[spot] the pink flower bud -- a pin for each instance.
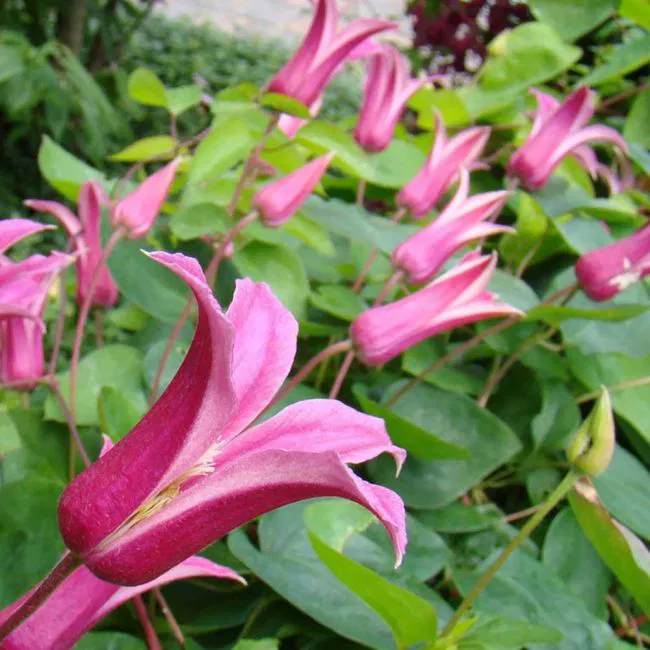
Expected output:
(279, 200)
(457, 298)
(606, 271)
(441, 169)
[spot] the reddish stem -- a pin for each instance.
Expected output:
(151, 638)
(343, 371)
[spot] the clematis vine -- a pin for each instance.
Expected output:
(82, 600)
(442, 167)
(85, 232)
(456, 298)
(321, 53)
(606, 271)
(194, 468)
(462, 221)
(23, 294)
(560, 130)
(388, 87)
(279, 200)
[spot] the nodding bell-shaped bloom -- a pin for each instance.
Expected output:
(456, 298)
(194, 469)
(558, 131)
(442, 167)
(85, 231)
(387, 88)
(139, 209)
(82, 600)
(23, 294)
(279, 200)
(422, 255)
(606, 271)
(321, 53)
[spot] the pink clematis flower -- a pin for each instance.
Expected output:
(193, 469)
(457, 298)
(321, 53)
(23, 294)
(279, 200)
(85, 230)
(139, 209)
(422, 255)
(608, 270)
(388, 87)
(559, 130)
(83, 600)
(442, 167)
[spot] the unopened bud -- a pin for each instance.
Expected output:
(593, 445)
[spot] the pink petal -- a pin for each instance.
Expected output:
(263, 350)
(83, 600)
(319, 425)
(13, 230)
(236, 493)
(178, 430)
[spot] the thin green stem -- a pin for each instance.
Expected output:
(553, 499)
(632, 383)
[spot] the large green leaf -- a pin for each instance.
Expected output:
(117, 414)
(506, 634)
(624, 59)
(119, 366)
(145, 87)
(459, 421)
(572, 18)
(448, 102)
(200, 219)
(559, 418)
(110, 641)
(156, 146)
(339, 301)
(635, 128)
(181, 98)
(623, 552)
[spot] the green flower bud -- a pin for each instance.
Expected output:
(592, 447)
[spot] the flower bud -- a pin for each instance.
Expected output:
(592, 447)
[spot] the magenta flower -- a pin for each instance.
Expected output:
(457, 298)
(608, 270)
(23, 294)
(279, 200)
(83, 600)
(85, 231)
(422, 255)
(138, 210)
(193, 469)
(558, 130)
(442, 167)
(388, 87)
(321, 53)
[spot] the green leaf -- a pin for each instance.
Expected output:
(459, 421)
(396, 165)
(310, 233)
(258, 644)
(154, 355)
(63, 171)
(569, 553)
(110, 641)
(200, 219)
(532, 225)
(119, 366)
(154, 147)
(145, 87)
(178, 100)
(229, 142)
(559, 418)
(513, 291)
(285, 104)
(411, 619)
(420, 442)
(635, 128)
(146, 283)
(339, 301)
(554, 314)
(624, 59)
(571, 19)
(458, 518)
(621, 550)
(9, 438)
(117, 414)
(448, 102)
(507, 634)
(637, 11)
(278, 266)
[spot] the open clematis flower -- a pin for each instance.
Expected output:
(422, 255)
(442, 167)
(388, 87)
(193, 469)
(83, 600)
(85, 231)
(139, 209)
(456, 298)
(23, 294)
(608, 270)
(558, 131)
(321, 53)
(279, 200)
